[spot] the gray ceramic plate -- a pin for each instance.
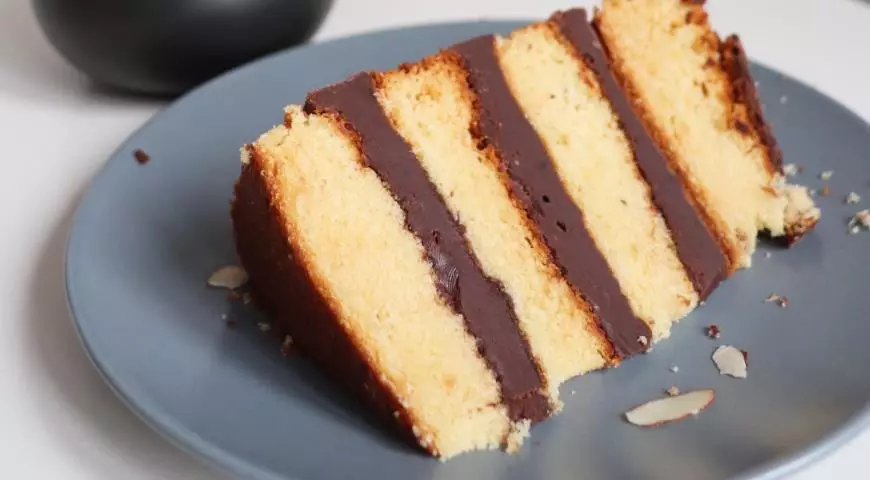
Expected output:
(145, 239)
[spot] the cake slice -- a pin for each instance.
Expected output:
(453, 239)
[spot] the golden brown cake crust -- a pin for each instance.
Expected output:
(746, 110)
(297, 307)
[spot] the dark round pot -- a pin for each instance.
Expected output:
(165, 47)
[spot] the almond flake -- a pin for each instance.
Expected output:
(670, 409)
(852, 198)
(826, 175)
(860, 221)
(230, 277)
(730, 361)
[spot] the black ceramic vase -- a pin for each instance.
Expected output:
(165, 47)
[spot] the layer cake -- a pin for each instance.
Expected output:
(453, 239)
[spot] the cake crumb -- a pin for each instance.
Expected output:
(672, 391)
(852, 198)
(141, 157)
(573, 392)
(674, 369)
(783, 99)
(233, 296)
(713, 331)
(519, 432)
(778, 299)
(826, 175)
(287, 349)
(643, 341)
(790, 170)
(246, 298)
(264, 327)
(824, 191)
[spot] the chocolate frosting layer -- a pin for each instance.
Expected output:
(488, 311)
(696, 246)
(536, 185)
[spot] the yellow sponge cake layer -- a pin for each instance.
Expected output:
(564, 103)
(431, 107)
(668, 56)
(349, 232)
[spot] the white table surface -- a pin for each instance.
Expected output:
(57, 418)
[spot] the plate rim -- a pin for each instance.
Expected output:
(226, 461)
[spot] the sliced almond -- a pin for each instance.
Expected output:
(862, 218)
(230, 276)
(730, 361)
(670, 409)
